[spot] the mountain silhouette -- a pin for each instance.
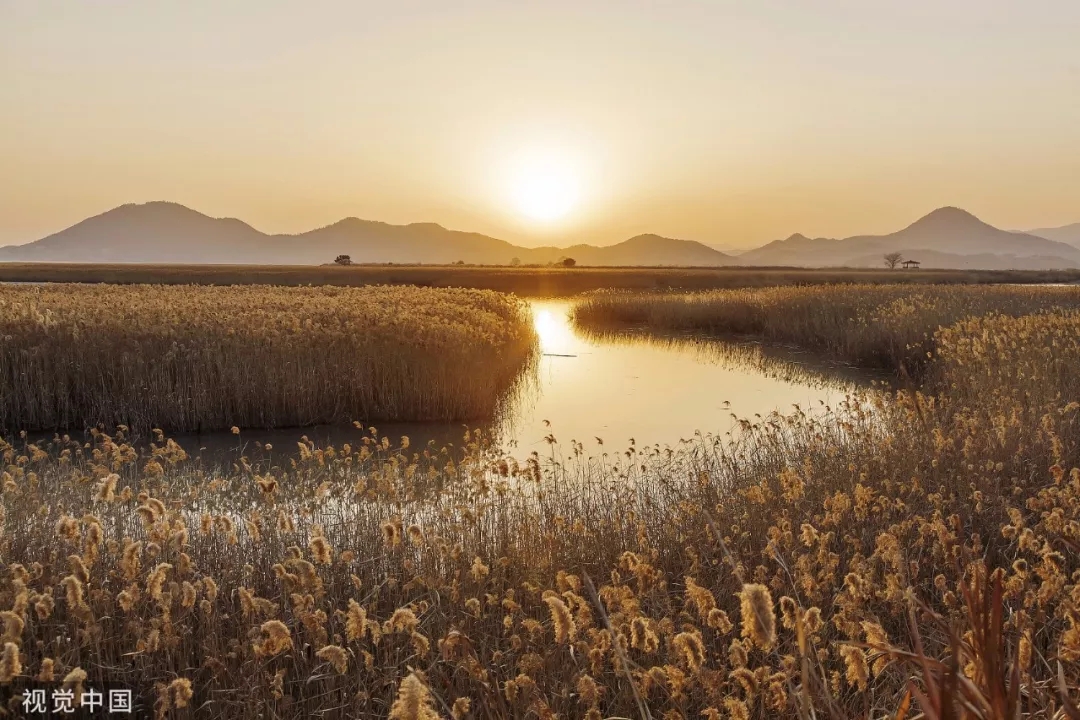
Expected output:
(947, 237)
(1067, 234)
(164, 232)
(159, 231)
(639, 250)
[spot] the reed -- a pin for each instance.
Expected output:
(197, 358)
(879, 326)
(530, 281)
(907, 552)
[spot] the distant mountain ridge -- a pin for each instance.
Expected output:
(1067, 234)
(164, 232)
(947, 237)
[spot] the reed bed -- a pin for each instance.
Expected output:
(887, 327)
(528, 281)
(905, 555)
(197, 358)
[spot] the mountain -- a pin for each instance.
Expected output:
(947, 237)
(638, 250)
(728, 248)
(159, 231)
(1067, 234)
(367, 241)
(163, 232)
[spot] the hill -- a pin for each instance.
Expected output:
(947, 237)
(650, 250)
(1067, 234)
(169, 233)
(159, 232)
(163, 232)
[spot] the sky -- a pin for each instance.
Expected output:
(732, 123)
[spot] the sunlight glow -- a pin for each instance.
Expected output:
(553, 331)
(545, 187)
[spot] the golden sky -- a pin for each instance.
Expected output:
(733, 123)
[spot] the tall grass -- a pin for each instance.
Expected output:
(192, 358)
(881, 326)
(533, 281)
(820, 566)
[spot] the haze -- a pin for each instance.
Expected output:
(732, 123)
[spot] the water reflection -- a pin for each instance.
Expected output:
(659, 390)
(774, 361)
(553, 327)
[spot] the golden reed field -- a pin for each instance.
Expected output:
(523, 281)
(887, 327)
(909, 554)
(198, 358)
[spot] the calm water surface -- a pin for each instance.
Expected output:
(659, 391)
(615, 388)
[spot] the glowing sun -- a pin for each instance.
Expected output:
(545, 187)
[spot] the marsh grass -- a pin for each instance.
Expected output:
(524, 281)
(888, 327)
(830, 565)
(199, 358)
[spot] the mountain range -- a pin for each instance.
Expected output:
(163, 232)
(947, 237)
(1067, 234)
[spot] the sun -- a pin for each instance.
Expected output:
(545, 187)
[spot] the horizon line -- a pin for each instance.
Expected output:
(729, 250)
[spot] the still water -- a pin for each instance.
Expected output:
(658, 391)
(615, 388)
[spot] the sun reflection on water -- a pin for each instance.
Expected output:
(657, 389)
(554, 331)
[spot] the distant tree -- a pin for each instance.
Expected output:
(460, 262)
(569, 262)
(514, 262)
(343, 260)
(892, 260)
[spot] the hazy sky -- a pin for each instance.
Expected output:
(726, 122)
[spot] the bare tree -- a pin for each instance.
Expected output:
(892, 260)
